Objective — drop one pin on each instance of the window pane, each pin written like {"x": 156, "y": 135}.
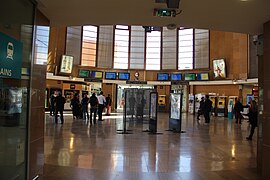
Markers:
{"x": 153, "y": 41}
{"x": 105, "y": 47}
{"x": 185, "y": 49}
{"x": 89, "y": 46}
{"x": 137, "y": 47}
{"x": 201, "y": 41}
{"x": 121, "y": 46}
{"x": 73, "y": 42}
{"x": 41, "y": 44}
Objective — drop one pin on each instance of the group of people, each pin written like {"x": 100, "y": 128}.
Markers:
{"x": 206, "y": 107}
{"x": 97, "y": 105}
{"x": 57, "y": 102}
{"x": 80, "y": 109}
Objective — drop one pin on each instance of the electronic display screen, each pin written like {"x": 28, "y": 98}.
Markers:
{"x": 203, "y": 76}
{"x": 219, "y": 67}
{"x": 123, "y": 76}
{"x": 190, "y": 77}
{"x": 176, "y": 77}
{"x": 162, "y": 76}
{"x": 97, "y": 74}
{"x": 83, "y": 73}
{"x": 110, "y": 75}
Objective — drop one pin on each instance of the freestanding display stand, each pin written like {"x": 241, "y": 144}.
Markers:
{"x": 124, "y": 130}
{"x": 175, "y": 116}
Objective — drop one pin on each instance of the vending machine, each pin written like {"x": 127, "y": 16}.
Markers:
{"x": 214, "y": 105}
{"x": 231, "y": 102}
{"x": 191, "y": 103}
{"x": 221, "y": 106}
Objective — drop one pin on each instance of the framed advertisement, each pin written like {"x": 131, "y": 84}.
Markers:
{"x": 153, "y": 106}
{"x": 66, "y": 64}
{"x": 219, "y": 68}
{"x": 175, "y": 110}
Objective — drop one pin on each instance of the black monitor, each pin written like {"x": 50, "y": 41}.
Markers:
{"x": 162, "y": 76}
{"x": 176, "y": 77}
{"x": 110, "y": 75}
{"x": 123, "y": 76}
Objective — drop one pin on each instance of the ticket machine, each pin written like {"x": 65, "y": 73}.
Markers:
{"x": 214, "y": 105}
{"x": 221, "y": 106}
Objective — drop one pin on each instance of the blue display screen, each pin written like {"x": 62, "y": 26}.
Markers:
{"x": 123, "y": 76}
{"x": 162, "y": 76}
{"x": 110, "y": 75}
{"x": 176, "y": 77}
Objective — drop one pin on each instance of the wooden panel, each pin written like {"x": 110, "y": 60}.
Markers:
{"x": 221, "y": 90}
{"x": 234, "y": 48}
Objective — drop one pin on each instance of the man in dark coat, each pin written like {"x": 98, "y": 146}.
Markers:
{"x": 59, "y": 106}
{"x": 207, "y": 109}
{"x": 238, "y": 107}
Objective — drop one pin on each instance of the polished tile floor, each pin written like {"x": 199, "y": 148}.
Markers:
{"x": 78, "y": 151}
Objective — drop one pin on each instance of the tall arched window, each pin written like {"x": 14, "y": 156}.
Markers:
{"x": 153, "y": 45}
{"x": 89, "y": 46}
{"x": 121, "y": 47}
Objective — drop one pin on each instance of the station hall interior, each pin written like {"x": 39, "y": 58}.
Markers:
{"x": 156, "y": 59}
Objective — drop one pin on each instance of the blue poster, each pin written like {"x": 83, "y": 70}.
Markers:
{"x": 10, "y": 57}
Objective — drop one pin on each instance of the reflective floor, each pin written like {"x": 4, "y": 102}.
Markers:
{"x": 78, "y": 151}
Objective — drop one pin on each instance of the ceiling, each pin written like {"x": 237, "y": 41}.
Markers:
{"x": 228, "y": 15}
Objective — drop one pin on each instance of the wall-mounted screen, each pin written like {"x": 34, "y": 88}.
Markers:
{"x": 97, "y": 74}
{"x": 110, "y": 75}
{"x": 176, "y": 77}
{"x": 219, "y": 68}
{"x": 123, "y": 76}
{"x": 202, "y": 76}
{"x": 66, "y": 64}
{"x": 190, "y": 77}
{"x": 83, "y": 73}
{"x": 162, "y": 76}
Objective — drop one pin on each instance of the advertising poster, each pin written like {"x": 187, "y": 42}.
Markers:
{"x": 175, "y": 106}
{"x": 66, "y": 64}
{"x": 219, "y": 68}
{"x": 153, "y": 108}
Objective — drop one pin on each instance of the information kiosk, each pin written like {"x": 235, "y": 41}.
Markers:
{"x": 214, "y": 105}
{"x": 175, "y": 115}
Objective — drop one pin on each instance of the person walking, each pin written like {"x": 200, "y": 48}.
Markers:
{"x": 101, "y": 104}
{"x": 238, "y": 108}
{"x": 59, "y": 107}
{"x": 85, "y": 102}
{"x": 52, "y": 103}
{"x": 75, "y": 106}
{"x": 108, "y": 104}
{"x": 200, "y": 110}
{"x": 207, "y": 109}
{"x": 253, "y": 118}
{"x": 93, "y": 109}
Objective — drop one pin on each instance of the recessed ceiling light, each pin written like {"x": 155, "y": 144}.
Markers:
{"x": 244, "y": 0}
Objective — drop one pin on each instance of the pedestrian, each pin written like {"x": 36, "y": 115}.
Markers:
{"x": 207, "y": 109}
{"x": 108, "y": 104}
{"x": 85, "y": 102}
{"x": 52, "y": 103}
{"x": 75, "y": 106}
{"x": 253, "y": 118}
{"x": 238, "y": 108}
{"x": 200, "y": 110}
{"x": 59, "y": 107}
{"x": 101, "y": 105}
{"x": 93, "y": 109}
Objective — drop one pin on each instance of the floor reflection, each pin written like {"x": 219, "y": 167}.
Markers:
{"x": 77, "y": 150}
